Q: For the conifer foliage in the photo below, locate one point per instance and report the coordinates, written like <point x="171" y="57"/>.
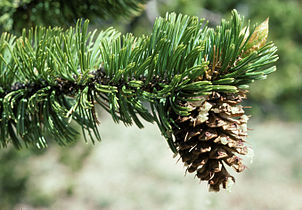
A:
<point x="18" y="14"/>
<point x="192" y="76"/>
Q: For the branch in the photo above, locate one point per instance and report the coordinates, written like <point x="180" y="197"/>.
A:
<point x="192" y="76"/>
<point x="51" y="12"/>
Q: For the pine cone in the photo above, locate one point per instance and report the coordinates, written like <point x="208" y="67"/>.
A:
<point x="212" y="136"/>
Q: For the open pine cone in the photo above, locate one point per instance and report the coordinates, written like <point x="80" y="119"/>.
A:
<point x="211" y="136"/>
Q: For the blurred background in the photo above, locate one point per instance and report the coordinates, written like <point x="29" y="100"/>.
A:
<point x="133" y="168"/>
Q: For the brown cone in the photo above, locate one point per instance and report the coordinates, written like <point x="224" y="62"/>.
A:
<point x="212" y="136"/>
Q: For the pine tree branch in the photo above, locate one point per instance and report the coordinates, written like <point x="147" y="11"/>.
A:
<point x="59" y="12"/>
<point x="49" y="77"/>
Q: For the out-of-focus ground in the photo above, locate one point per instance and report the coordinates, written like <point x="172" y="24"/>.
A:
<point x="134" y="169"/>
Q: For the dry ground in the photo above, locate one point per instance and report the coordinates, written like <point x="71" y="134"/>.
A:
<point x="134" y="169"/>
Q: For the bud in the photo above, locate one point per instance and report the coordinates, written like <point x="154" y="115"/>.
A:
<point x="257" y="39"/>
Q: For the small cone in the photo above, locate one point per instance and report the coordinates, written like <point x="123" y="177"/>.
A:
<point x="212" y="136"/>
